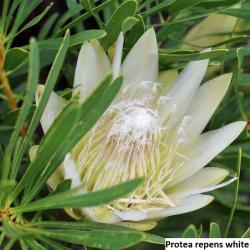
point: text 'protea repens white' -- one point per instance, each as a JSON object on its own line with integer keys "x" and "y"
{"x": 151, "y": 130}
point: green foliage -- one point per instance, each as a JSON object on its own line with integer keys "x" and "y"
{"x": 27, "y": 206}
{"x": 117, "y": 21}
{"x": 214, "y": 231}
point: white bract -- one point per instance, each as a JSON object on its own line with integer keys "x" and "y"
{"x": 151, "y": 130}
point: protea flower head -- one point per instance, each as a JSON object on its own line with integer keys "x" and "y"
{"x": 151, "y": 130}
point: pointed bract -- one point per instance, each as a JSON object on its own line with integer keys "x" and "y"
{"x": 206, "y": 177}
{"x": 141, "y": 64}
{"x": 184, "y": 89}
{"x": 92, "y": 66}
{"x": 53, "y": 108}
{"x": 203, "y": 149}
{"x": 205, "y": 102}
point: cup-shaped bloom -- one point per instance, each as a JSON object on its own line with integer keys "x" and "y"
{"x": 151, "y": 130}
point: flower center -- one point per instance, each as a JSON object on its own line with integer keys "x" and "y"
{"x": 134, "y": 123}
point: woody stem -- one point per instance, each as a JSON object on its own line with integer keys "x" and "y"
{"x": 4, "y": 80}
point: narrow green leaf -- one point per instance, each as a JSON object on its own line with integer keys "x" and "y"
{"x": 4, "y": 14}
{"x": 246, "y": 234}
{"x": 239, "y": 12}
{"x": 63, "y": 186}
{"x": 9, "y": 229}
{"x": 158, "y": 8}
{"x": 23, "y": 244}
{"x": 74, "y": 7}
{"x": 53, "y": 244}
{"x": 47, "y": 27}
{"x": 49, "y": 47}
{"x": 24, "y": 10}
{"x": 216, "y": 3}
{"x": 10, "y": 244}
{"x": 180, "y": 5}
{"x": 214, "y": 231}
{"x": 63, "y": 18}
{"x": 33, "y": 79}
{"x": 129, "y": 23}
{"x": 100, "y": 239}
{"x": 231, "y": 40}
{"x": 74, "y": 39}
{"x": 114, "y": 25}
{"x": 163, "y": 33}
{"x": 190, "y": 232}
{"x": 35, "y": 245}
{"x": 6, "y": 185}
{"x": 190, "y": 56}
{"x": 135, "y": 33}
{"x": 85, "y": 16}
{"x": 11, "y": 11}
{"x": 88, "y": 5}
{"x": 14, "y": 58}
{"x": 35, "y": 20}
{"x": 150, "y": 238}
{"x": 244, "y": 82}
{"x": 236, "y": 190}
{"x": 71, "y": 200}
{"x": 49, "y": 86}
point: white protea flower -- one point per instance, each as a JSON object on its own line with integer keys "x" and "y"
{"x": 151, "y": 130}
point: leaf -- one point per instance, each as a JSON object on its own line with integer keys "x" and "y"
{"x": 216, "y": 3}
{"x": 158, "y": 8}
{"x": 214, "y": 231}
{"x": 6, "y": 185}
{"x": 25, "y": 8}
{"x": 179, "y": 5}
{"x": 53, "y": 244}
{"x": 236, "y": 190}
{"x": 235, "y": 39}
{"x": 33, "y": 244}
{"x": 246, "y": 234}
{"x": 244, "y": 82}
{"x": 190, "y": 232}
{"x": 49, "y": 47}
{"x": 114, "y": 25}
{"x": 190, "y": 56}
{"x": 85, "y": 16}
{"x": 9, "y": 228}
{"x": 178, "y": 23}
{"x": 49, "y": 85}
{"x": 33, "y": 78}
{"x": 69, "y": 199}
{"x": 63, "y": 186}
{"x": 88, "y": 5}
{"x": 35, "y": 20}
{"x": 135, "y": 33}
{"x": 23, "y": 244}
{"x": 47, "y": 27}
{"x": 129, "y": 23}
{"x": 150, "y": 238}
{"x": 14, "y": 58}
{"x": 227, "y": 200}
{"x": 99, "y": 239}
{"x": 74, "y": 39}
{"x": 240, "y": 13}
{"x": 74, "y": 7}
